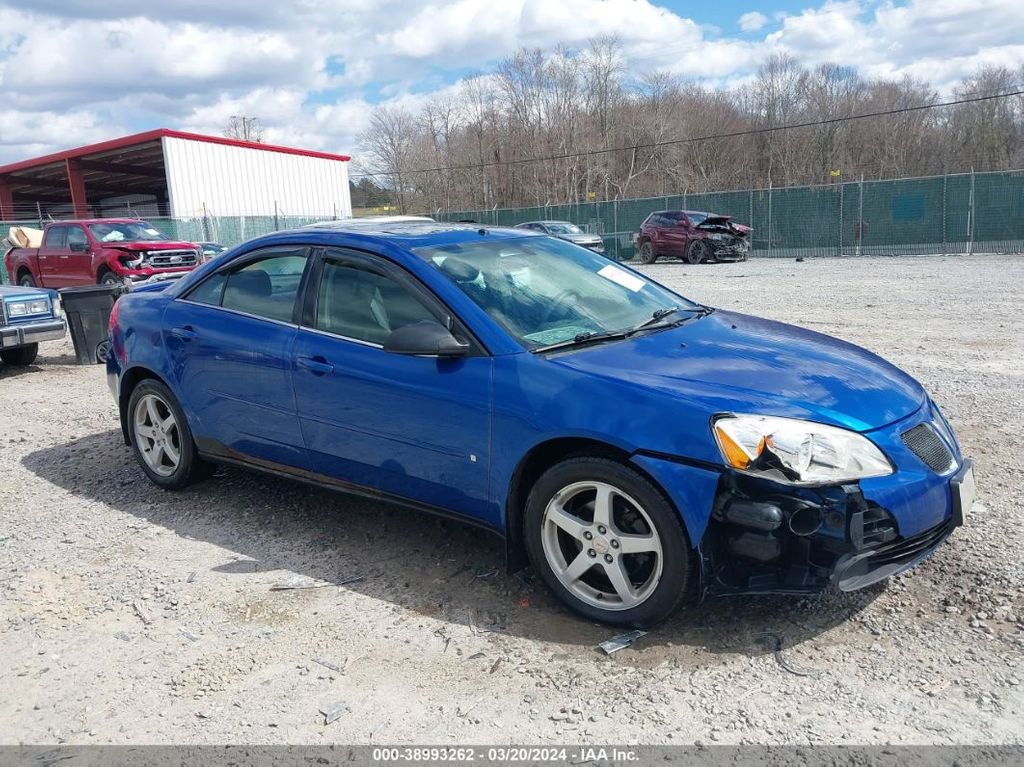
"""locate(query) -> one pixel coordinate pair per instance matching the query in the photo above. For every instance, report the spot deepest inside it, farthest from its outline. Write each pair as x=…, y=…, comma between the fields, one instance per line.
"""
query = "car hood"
x=17, y=292
x=728, y=362
x=158, y=245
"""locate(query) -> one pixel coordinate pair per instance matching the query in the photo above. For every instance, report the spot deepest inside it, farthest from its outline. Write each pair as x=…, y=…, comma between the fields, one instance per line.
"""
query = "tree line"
x=604, y=132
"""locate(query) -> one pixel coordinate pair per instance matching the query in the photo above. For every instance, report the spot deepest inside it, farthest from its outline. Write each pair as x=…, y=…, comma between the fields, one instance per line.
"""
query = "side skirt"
x=217, y=452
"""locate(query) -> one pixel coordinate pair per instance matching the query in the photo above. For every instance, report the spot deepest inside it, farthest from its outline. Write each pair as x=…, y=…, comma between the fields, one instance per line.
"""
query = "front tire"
x=161, y=439
x=108, y=278
x=607, y=542
x=698, y=251
x=20, y=357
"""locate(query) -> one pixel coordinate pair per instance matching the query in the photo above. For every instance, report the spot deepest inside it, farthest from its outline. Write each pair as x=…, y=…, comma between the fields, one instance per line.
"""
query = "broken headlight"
x=797, y=452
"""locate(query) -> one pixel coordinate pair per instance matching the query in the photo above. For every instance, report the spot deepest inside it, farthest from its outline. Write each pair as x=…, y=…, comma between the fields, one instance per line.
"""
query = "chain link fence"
x=961, y=213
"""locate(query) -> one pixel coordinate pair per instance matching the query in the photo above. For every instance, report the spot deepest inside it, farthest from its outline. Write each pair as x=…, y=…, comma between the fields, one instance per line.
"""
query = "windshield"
x=696, y=218
x=132, y=231
x=546, y=291
x=563, y=227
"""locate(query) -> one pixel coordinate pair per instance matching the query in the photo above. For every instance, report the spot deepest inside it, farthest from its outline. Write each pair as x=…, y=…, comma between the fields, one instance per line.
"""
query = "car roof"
x=547, y=221
x=409, y=231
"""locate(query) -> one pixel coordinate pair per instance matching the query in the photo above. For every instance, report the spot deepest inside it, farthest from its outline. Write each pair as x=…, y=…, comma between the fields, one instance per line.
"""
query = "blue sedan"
x=640, y=450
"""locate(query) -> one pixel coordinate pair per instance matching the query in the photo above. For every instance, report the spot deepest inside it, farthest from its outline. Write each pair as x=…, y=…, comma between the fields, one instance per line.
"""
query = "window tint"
x=55, y=237
x=76, y=236
x=266, y=287
x=359, y=303
x=210, y=290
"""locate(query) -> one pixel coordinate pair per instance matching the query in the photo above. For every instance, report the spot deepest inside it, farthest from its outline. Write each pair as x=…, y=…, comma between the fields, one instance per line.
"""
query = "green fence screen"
x=964, y=213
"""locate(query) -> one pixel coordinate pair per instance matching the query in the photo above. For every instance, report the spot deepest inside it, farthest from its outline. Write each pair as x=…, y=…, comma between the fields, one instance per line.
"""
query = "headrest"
x=254, y=283
x=459, y=270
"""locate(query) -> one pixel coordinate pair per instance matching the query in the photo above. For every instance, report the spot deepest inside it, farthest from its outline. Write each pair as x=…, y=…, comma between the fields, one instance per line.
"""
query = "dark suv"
x=691, y=235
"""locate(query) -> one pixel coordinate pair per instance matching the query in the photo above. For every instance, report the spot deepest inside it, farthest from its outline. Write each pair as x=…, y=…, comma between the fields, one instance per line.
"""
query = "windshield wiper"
x=655, y=320
x=583, y=339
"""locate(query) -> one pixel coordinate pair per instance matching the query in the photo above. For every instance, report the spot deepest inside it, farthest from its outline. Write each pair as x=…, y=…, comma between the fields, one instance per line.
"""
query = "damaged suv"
x=691, y=235
x=640, y=449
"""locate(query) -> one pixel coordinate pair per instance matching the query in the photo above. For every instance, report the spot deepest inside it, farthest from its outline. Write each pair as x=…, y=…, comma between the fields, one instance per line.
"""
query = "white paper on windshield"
x=152, y=232
x=622, y=277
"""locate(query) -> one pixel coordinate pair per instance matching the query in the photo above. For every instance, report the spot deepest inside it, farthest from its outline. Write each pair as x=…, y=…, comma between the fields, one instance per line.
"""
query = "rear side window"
x=55, y=237
x=266, y=287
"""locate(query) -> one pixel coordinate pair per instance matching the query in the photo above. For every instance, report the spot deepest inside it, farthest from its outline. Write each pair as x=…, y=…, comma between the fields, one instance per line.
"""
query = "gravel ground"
x=131, y=615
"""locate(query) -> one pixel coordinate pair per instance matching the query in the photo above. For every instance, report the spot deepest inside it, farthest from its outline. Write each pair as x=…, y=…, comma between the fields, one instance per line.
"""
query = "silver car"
x=565, y=230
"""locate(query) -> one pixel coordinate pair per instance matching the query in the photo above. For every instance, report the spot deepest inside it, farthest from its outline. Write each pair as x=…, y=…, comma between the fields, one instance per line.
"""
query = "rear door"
x=230, y=341
x=54, y=257
x=415, y=427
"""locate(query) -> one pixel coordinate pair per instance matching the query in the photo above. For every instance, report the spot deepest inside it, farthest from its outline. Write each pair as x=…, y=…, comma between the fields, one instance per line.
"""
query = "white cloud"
x=73, y=71
x=752, y=21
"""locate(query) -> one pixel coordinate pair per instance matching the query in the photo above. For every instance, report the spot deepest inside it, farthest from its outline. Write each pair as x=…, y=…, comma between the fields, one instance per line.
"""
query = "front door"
x=230, y=341
x=415, y=427
x=79, y=258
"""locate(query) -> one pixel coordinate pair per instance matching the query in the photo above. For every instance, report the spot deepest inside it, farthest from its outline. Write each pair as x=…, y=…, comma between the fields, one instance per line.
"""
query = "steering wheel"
x=558, y=302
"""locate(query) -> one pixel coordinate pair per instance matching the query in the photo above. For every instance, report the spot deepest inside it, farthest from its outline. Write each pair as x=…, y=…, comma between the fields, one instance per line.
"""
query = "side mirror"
x=427, y=339
x=683, y=223
x=78, y=246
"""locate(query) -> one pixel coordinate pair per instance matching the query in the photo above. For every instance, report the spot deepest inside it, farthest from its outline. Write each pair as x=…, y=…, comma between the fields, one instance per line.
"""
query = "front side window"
x=358, y=302
x=545, y=291
x=76, y=237
x=266, y=287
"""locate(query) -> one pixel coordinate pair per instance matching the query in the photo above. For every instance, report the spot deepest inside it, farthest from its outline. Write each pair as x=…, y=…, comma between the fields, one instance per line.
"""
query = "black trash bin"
x=87, y=309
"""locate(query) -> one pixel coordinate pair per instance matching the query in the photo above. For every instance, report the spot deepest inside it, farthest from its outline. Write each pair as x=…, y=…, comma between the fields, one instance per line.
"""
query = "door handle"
x=316, y=365
x=185, y=334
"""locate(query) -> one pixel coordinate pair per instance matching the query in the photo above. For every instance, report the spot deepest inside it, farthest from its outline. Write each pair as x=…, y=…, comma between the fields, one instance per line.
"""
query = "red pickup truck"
x=99, y=251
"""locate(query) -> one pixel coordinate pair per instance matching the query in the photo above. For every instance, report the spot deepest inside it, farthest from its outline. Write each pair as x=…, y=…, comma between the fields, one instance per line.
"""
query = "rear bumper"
x=31, y=333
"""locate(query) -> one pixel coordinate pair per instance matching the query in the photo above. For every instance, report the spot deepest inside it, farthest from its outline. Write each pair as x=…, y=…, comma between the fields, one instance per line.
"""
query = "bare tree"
x=244, y=129
x=569, y=125
x=389, y=145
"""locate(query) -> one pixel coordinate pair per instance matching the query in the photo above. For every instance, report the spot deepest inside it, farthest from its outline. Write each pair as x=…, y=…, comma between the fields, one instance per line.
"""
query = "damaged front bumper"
x=761, y=537
x=729, y=248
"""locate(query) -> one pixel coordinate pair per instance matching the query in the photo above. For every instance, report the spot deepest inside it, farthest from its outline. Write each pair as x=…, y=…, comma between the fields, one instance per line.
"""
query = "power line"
x=694, y=139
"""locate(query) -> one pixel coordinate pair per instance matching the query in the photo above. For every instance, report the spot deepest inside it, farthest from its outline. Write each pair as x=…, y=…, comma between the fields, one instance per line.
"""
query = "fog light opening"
x=806, y=520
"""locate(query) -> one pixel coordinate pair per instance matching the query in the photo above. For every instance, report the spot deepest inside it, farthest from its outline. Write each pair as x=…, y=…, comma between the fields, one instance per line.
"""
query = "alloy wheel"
x=602, y=545
x=157, y=435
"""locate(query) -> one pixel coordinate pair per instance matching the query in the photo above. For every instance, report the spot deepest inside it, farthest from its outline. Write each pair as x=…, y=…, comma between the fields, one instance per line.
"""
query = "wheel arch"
x=539, y=459
x=131, y=378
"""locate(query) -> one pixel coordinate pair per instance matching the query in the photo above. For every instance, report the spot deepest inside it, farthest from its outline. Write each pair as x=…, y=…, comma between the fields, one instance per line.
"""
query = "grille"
x=168, y=258
x=926, y=445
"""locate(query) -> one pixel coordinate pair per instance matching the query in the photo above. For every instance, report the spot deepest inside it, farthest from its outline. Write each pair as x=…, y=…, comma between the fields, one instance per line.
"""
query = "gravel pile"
x=130, y=615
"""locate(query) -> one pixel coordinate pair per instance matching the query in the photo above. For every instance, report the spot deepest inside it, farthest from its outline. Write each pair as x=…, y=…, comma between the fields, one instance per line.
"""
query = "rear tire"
x=646, y=254
x=607, y=542
x=25, y=280
x=161, y=439
x=20, y=357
